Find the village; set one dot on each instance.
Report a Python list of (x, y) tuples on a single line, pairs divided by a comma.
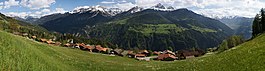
[(142, 55)]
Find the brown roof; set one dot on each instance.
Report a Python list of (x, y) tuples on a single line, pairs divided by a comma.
[(67, 45), (118, 51), (163, 56), (43, 40), (50, 42), (57, 43), (140, 55), (130, 52), (188, 52), (99, 48), (34, 37), (88, 47), (143, 51), (155, 52)]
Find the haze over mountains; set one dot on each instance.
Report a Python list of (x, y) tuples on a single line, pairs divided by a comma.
[(241, 25)]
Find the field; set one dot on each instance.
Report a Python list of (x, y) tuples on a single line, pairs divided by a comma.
[(22, 54)]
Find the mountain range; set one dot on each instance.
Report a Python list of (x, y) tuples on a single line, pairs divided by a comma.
[(155, 28)]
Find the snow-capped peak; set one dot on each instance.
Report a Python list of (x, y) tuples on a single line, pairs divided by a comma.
[(161, 7), (83, 9), (115, 11), (136, 9), (98, 8)]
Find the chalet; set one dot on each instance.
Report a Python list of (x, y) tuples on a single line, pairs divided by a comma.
[(100, 49), (124, 53), (144, 52), (183, 54), (168, 52), (157, 53), (68, 45), (131, 54), (57, 43), (50, 42), (25, 34), (166, 57), (139, 55), (118, 51), (87, 47), (110, 51), (33, 37), (43, 40), (77, 45)]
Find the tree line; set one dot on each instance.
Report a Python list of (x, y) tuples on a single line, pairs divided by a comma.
[(259, 23)]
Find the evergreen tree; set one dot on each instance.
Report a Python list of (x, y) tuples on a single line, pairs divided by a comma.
[(262, 23)]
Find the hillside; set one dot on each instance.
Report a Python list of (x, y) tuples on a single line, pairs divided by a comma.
[(160, 30), (19, 27), (19, 53)]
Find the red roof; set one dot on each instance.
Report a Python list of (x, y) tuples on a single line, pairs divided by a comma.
[(99, 48), (163, 56), (140, 55)]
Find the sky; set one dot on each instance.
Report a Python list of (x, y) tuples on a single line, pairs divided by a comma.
[(210, 8)]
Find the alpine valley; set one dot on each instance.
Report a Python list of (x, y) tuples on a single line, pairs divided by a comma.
[(155, 28)]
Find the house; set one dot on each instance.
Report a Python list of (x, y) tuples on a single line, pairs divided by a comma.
[(183, 54), (144, 52), (131, 54), (157, 52), (25, 34), (139, 56), (33, 37), (87, 47), (168, 52), (43, 40), (124, 53), (118, 51), (166, 57), (68, 45), (50, 42), (57, 43), (100, 49), (77, 45)]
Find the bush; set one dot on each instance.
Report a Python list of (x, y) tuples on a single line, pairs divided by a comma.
[(230, 42)]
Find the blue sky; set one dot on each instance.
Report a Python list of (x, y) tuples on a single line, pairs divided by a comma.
[(210, 8)]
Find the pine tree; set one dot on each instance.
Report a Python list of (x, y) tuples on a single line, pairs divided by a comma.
[(256, 27), (262, 22)]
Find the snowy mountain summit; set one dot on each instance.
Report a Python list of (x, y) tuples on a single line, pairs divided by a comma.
[(97, 9), (161, 7), (136, 9)]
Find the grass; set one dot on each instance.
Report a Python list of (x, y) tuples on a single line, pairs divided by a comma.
[(21, 54), (203, 30), (148, 29)]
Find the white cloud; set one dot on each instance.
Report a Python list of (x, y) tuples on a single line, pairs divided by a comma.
[(210, 8), (9, 3), (1, 3), (36, 14), (37, 4), (59, 10), (123, 1), (107, 2), (46, 10), (125, 6), (21, 14)]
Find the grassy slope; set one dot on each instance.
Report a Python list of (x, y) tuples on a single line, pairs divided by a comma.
[(18, 53)]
